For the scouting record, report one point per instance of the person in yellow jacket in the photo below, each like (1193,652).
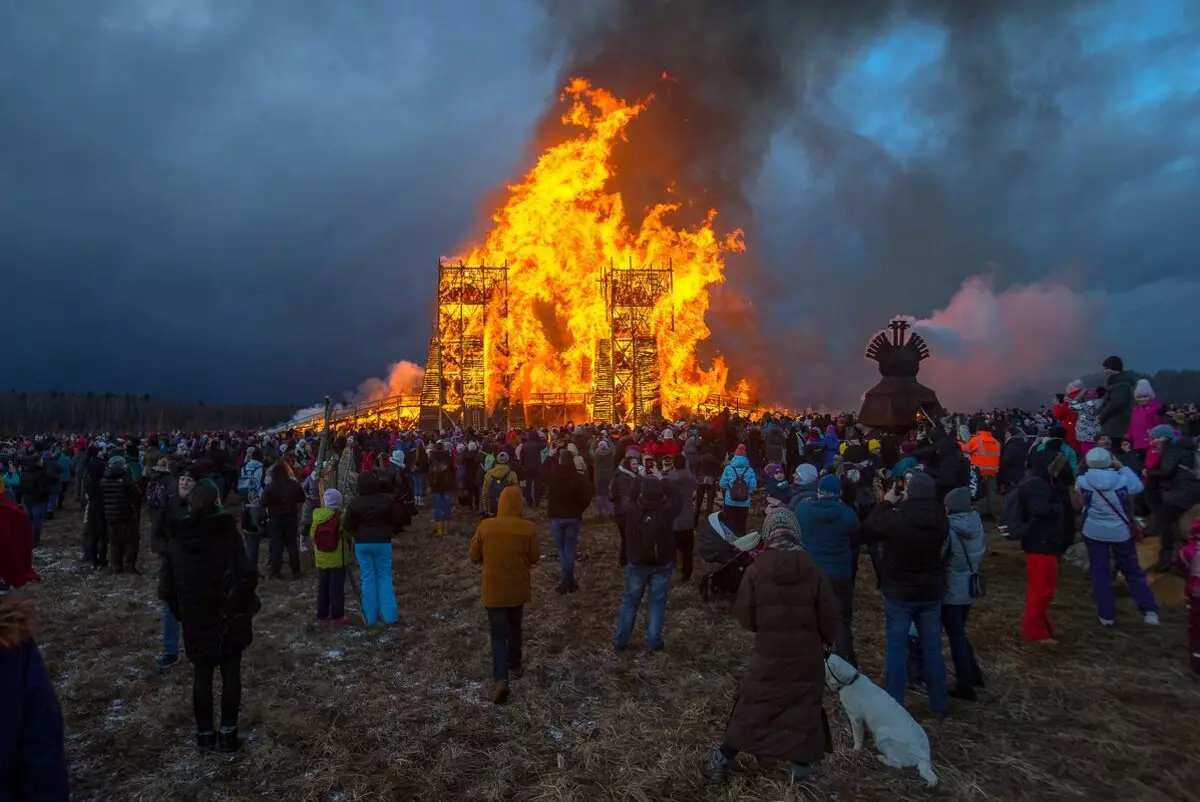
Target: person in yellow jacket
(498,477)
(332,549)
(984,452)
(507,548)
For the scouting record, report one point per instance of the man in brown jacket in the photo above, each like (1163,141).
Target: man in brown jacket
(789,604)
(507,547)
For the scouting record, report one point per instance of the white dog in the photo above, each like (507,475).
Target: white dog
(901,741)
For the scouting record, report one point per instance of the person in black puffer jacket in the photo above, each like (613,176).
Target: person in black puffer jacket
(281,501)
(120,496)
(568,495)
(209,585)
(914,533)
(1042,530)
(1176,480)
(372,519)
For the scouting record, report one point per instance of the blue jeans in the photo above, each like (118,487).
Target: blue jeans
(443,506)
(53,503)
(170,634)
(420,485)
(37,514)
(637,579)
(378,595)
(565,532)
(928,618)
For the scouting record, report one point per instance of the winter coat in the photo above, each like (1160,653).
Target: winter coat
(530,455)
(1042,517)
(283,499)
(206,558)
(649,495)
(953,468)
(1116,412)
(1100,520)
(774,438)
(1064,412)
(1176,475)
(622,485)
(1144,418)
(119,495)
(37,485)
(829,528)
(789,605)
(441,472)
(568,493)
(16,545)
(1087,428)
(603,468)
(738,466)
(801,494)
(968,546)
(1013,456)
(346,477)
(339,557)
(373,516)
(832,449)
(34,767)
(914,536)
(684,484)
(250,480)
(499,473)
(1187,562)
(507,547)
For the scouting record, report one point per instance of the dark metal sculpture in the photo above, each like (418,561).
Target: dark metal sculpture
(898,401)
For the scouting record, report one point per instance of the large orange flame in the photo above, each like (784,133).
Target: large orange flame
(559,230)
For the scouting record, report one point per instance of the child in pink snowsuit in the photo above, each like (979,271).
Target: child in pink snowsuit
(1188,560)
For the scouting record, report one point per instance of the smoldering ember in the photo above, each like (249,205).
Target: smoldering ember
(850,341)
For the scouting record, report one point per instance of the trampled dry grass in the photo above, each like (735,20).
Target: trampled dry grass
(401,714)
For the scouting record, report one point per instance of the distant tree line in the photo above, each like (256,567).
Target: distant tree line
(1170,386)
(36,413)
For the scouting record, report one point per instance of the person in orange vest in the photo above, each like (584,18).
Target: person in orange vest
(984,451)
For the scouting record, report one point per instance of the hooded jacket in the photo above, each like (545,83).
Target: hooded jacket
(684,484)
(1116,412)
(649,495)
(828,527)
(967,547)
(914,534)
(568,492)
(202,552)
(507,547)
(373,516)
(34,767)
(604,465)
(1044,522)
(499,473)
(738,466)
(1144,418)
(1100,520)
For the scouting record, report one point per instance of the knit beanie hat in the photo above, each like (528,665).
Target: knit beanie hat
(807,474)
(829,487)
(958,500)
(740,451)
(1143,389)
(1099,458)
(781,530)
(1114,363)
(332,499)
(116,463)
(502,456)
(1074,388)
(1161,430)
(921,485)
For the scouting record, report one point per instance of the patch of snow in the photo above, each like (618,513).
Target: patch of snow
(557,736)
(334,654)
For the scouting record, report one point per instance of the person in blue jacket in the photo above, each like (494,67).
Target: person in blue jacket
(34,767)
(739,467)
(829,527)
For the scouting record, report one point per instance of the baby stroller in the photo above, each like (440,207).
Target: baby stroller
(732,556)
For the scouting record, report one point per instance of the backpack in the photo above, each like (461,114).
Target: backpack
(651,543)
(739,490)
(156,495)
(327,535)
(1012,513)
(495,487)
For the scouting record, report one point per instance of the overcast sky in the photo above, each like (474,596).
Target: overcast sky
(236,200)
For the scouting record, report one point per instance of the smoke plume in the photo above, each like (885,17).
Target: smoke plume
(403,377)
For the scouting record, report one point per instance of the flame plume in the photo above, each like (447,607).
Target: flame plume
(558,231)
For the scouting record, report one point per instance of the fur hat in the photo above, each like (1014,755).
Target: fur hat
(740,451)
(806,474)
(830,486)
(957,500)
(921,485)
(1114,363)
(1143,389)
(332,499)
(1099,458)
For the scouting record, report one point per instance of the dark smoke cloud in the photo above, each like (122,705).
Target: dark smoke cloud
(1022,168)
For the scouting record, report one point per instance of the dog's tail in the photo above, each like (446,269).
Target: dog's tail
(925,768)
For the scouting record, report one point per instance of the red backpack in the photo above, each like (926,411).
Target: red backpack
(327,536)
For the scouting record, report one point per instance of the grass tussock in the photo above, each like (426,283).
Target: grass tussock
(401,713)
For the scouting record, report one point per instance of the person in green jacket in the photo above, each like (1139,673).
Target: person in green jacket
(332,549)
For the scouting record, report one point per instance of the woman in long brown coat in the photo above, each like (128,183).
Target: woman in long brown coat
(786,601)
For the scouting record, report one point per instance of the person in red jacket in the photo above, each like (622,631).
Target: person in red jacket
(16,546)
(1064,412)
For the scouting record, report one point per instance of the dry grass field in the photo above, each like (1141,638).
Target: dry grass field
(401,713)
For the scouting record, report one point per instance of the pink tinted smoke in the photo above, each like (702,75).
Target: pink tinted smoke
(403,377)
(992,349)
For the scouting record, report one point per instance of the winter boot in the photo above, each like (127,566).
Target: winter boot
(717,768)
(227,740)
(499,693)
(207,741)
(799,773)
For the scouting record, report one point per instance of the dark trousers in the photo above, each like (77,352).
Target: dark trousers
(123,539)
(622,557)
(331,593)
(967,673)
(95,544)
(533,487)
(873,551)
(231,693)
(843,642)
(282,534)
(1168,516)
(685,544)
(736,518)
(505,626)
(705,496)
